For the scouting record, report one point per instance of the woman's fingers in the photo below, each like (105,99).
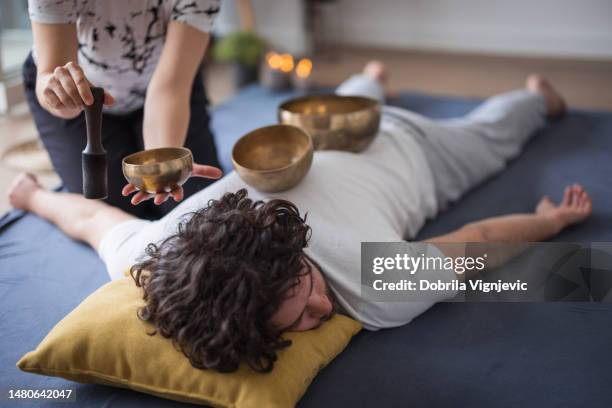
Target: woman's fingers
(82,87)
(57,88)
(177,194)
(199,170)
(128,189)
(51,99)
(63,76)
(160,198)
(140,197)
(202,170)
(81,83)
(68,91)
(109,100)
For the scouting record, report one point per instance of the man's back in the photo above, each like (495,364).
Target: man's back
(382,194)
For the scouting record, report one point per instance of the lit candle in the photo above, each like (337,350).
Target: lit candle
(301,79)
(274,60)
(286,63)
(276,71)
(304,68)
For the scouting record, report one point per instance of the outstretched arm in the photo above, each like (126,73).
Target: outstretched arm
(166,107)
(506,228)
(546,222)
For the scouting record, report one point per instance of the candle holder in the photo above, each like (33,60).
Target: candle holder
(276,71)
(301,78)
(274,79)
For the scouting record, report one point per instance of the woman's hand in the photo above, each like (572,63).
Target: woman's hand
(65,91)
(199,170)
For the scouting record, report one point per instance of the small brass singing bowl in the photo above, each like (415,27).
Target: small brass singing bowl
(158,170)
(335,122)
(273,158)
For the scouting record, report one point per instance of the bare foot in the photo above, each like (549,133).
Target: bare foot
(575,206)
(21,190)
(376,70)
(555,104)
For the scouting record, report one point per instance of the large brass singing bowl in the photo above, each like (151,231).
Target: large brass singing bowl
(273,158)
(158,170)
(335,122)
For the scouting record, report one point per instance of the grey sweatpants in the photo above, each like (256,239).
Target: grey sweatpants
(465,151)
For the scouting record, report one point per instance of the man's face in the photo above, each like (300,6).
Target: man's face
(308,304)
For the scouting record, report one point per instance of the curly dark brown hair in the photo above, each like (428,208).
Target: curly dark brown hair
(213,286)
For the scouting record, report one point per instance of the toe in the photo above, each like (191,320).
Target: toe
(533,81)
(376,70)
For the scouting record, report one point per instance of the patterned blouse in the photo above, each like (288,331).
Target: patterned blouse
(120,41)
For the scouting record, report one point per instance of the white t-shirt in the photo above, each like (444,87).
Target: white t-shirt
(120,42)
(382,194)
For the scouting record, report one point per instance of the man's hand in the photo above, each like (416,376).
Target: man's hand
(65,91)
(199,170)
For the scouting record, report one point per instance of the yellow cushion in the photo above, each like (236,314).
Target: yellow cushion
(103,341)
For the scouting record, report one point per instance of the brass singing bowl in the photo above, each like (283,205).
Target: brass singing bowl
(335,122)
(158,170)
(273,158)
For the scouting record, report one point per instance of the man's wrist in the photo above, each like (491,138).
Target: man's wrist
(555,220)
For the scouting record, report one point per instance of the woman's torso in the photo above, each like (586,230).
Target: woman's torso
(120,42)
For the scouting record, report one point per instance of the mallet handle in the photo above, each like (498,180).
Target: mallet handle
(95,167)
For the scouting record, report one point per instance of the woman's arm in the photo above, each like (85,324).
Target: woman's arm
(166,108)
(61,86)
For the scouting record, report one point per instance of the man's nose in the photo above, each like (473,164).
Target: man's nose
(320,306)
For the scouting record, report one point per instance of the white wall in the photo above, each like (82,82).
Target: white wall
(566,28)
(281,22)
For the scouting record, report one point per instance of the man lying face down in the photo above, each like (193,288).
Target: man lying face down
(232,279)
(230,269)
